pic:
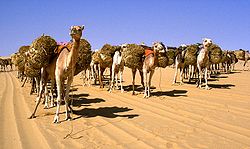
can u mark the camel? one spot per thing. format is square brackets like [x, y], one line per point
[61, 67]
[242, 55]
[203, 61]
[149, 64]
[117, 67]
[179, 63]
[65, 68]
[124, 48]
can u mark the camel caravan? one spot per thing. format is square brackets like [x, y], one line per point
[50, 66]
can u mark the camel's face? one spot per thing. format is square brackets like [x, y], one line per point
[124, 47]
[159, 47]
[207, 42]
[76, 32]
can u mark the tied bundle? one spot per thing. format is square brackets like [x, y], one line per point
[190, 57]
[171, 53]
[104, 56]
[20, 58]
[215, 54]
[225, 57]
[240, 54]
[162, 59]
[41, 51]
[84, 56]
[133, 56]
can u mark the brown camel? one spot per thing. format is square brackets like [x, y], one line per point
[61, 67]
[149, 65]
[65, 68]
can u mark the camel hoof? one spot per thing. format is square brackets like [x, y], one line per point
[68, 118]
[56, 119]
[122, 90]
[208, 88]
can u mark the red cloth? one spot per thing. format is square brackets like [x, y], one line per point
[148, 52]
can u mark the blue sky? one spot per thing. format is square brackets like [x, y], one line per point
[173, 22]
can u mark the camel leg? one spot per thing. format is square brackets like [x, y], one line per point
[145, 83]
[42, 86]
[200, 76]
[46, 105]
[69, 81]
[206, 87]
[59, 96]
[52, 103]
[116, 80]
[149, 82]
[176, 72]
[112, 80]
[121, 79]
[181, 75]
[141, 74]
[133, 80]
[244, 65]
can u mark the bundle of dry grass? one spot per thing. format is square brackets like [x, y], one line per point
[162, 60]
[41, 51]
[20, 58]
[171, 53]
[190, 57]
[240, 54]
[132, 56]
[84, 56]
[104, 56]
[29, 71]
[215, 54]
[225, 58]
[108, 50]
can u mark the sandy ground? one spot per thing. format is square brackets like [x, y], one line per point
[174, 117]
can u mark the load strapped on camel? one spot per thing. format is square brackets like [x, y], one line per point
[84, 56]
[133, 56]
[171, 54]
[20, 58]
[215, 54]
[190, 56]
[40, 54]
[240, 54]
[162, 60]
[104, 56]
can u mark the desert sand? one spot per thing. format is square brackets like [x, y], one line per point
[176, 116]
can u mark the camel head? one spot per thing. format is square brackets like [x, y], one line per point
[207, 42]
[159, 47]
[76, 32]
[124, 47]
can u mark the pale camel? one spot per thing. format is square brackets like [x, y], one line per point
[117, 67]
[203, 61]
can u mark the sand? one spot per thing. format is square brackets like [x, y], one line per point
[174, 117]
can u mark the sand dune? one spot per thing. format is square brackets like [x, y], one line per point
[174, 117]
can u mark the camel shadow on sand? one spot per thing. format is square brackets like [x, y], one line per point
[173, 93]
[221, 86]
[86, 102]
[138, 88]
[108, 112]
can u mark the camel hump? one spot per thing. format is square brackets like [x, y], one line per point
[61, 45]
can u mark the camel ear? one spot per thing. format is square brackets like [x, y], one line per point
[82, 27]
